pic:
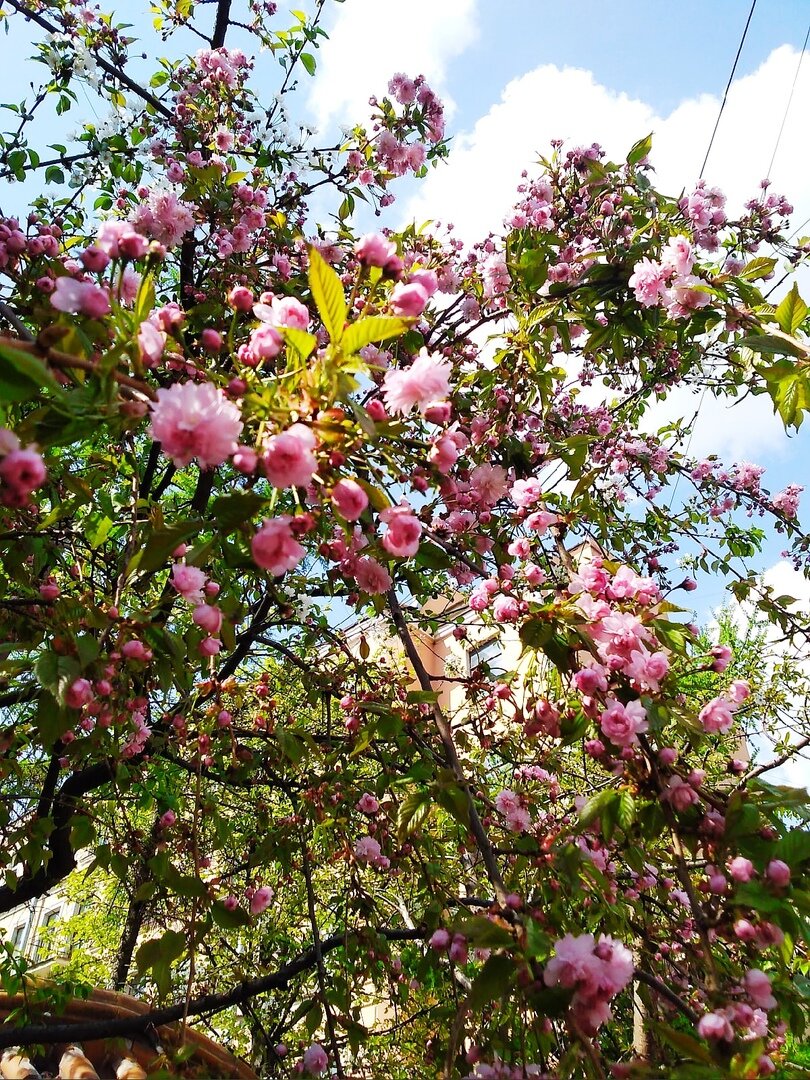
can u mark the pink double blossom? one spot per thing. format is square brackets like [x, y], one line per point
[403, 530]
[622, 724]
[195, 420]
[275, 548]
[80, 297]
[371, 576]
[426, 381]
[288, 458]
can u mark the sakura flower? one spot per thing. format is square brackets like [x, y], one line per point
[288, 459]
[275, 548]
[195, 420]
[425, 381]
[403, 531]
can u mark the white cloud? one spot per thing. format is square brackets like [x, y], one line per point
[784, 580]
[477, 187]
[369, 41]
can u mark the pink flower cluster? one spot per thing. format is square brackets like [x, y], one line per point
[425, 383]
[596, 970]
[195, 420]
[275, 547]
[367, 850]
[517, 816]
[164, 216]
[670, 282]
[21, 470]
[718, 715]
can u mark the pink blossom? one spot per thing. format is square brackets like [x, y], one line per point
[189, 582]
[23, 471]
[167, 819]
[686, 294]
[210, 646]
[716, 716]
[374, 250]
[74, 296]
[715, 1025]
[427, 380]
[261, 899]
[404, 529]
[591, 680]
[208, 617]
[118, 239]
[426, 279]
[526, 492]
[165, 217]
[440, 940]
[409, 300]
[758, 987]
[787, 501]
[680, 794]
[741, 869]
[195, 420]
[151, 343]
[371, 576]
[778, 873]
[136, 650]
[647, 669]
[623, 723]
[540, 520]
[78, 693]
[648, 282]
[288, 459]
[367, 804]
[443, 454]
[315, 1060]
[367, 850]
[284, 311]
[275, 548]
[349, 499]
[489, 483]
[677, 255]
[506, 609]
[722, 657]
[738, 691]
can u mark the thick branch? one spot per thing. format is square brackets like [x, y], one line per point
[207, 1004]
[453, 762]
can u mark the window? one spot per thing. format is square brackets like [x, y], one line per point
[488, 654]
[46, 951]
[18, 934]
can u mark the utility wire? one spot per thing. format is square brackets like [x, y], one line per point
[789, 102]
[728, 87]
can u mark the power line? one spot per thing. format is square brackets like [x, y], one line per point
[789, 101]
[728, 87]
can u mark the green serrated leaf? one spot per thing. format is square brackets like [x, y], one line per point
[374, 328]
[640, 150]
[791, 312]
[327, 292]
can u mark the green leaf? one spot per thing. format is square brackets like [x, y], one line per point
[309, 62]
[157, 956]
[757, 268]
[791, 312]
[161, 544]
[685, 1044]
[492, 981]
[640, 150]
[229, 918]
[596, 806]
[374, 328]
[327, 292]
[627, 810]
[301, 341]
[483, 933]
[793, 848]
[231, 511]
[22, 375]
[412, 812]
[773, 345]
[55, 673]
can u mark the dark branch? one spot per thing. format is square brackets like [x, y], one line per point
[207, 1004]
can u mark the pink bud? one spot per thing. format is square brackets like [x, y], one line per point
[440, 940]
[78, 693]
[240, 298]
[778, 873]
[208, 617]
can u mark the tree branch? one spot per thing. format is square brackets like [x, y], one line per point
[207, 1004]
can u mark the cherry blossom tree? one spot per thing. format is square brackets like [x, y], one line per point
[237, 444]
